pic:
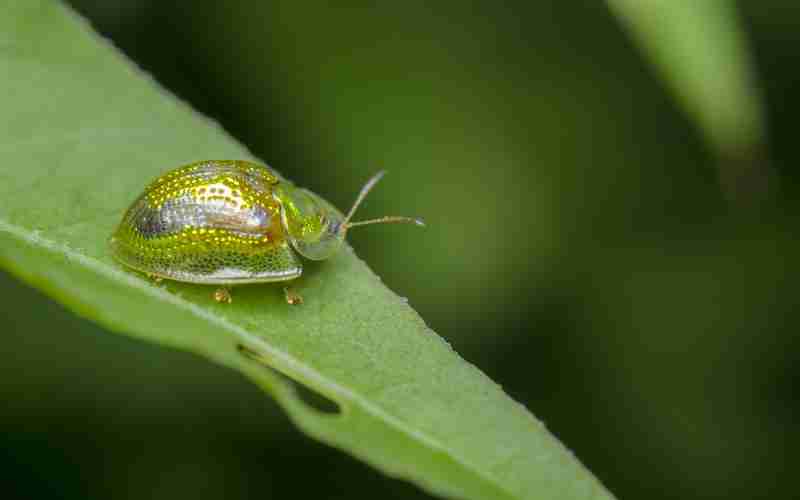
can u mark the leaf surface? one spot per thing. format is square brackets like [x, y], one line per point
[84, 131]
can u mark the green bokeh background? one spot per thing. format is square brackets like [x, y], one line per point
[580, 250]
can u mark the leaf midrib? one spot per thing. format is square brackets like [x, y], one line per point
[290, 365]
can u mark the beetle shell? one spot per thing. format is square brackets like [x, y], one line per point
[214, 222]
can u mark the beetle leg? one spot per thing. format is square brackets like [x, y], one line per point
[156, 278]
[223, 295]
[292, 297]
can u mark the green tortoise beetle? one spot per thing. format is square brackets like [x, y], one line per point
[230, 222]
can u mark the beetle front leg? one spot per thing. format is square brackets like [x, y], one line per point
[223, 295]
[292, 297]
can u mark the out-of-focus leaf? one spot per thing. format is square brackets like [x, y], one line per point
[700, 49]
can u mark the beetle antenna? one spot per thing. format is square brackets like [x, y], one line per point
[388, 219]
[363, 194]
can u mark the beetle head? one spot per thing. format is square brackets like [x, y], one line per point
[316, 228]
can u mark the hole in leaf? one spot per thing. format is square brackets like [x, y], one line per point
[314, 399]
[307, 395]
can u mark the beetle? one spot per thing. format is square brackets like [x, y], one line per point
[231, 222]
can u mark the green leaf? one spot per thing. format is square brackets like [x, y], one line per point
[84, 131]
[700, 49]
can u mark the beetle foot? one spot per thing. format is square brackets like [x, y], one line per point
[223, 295]
[292, 297]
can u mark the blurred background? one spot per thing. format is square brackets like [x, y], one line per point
[627, 280]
